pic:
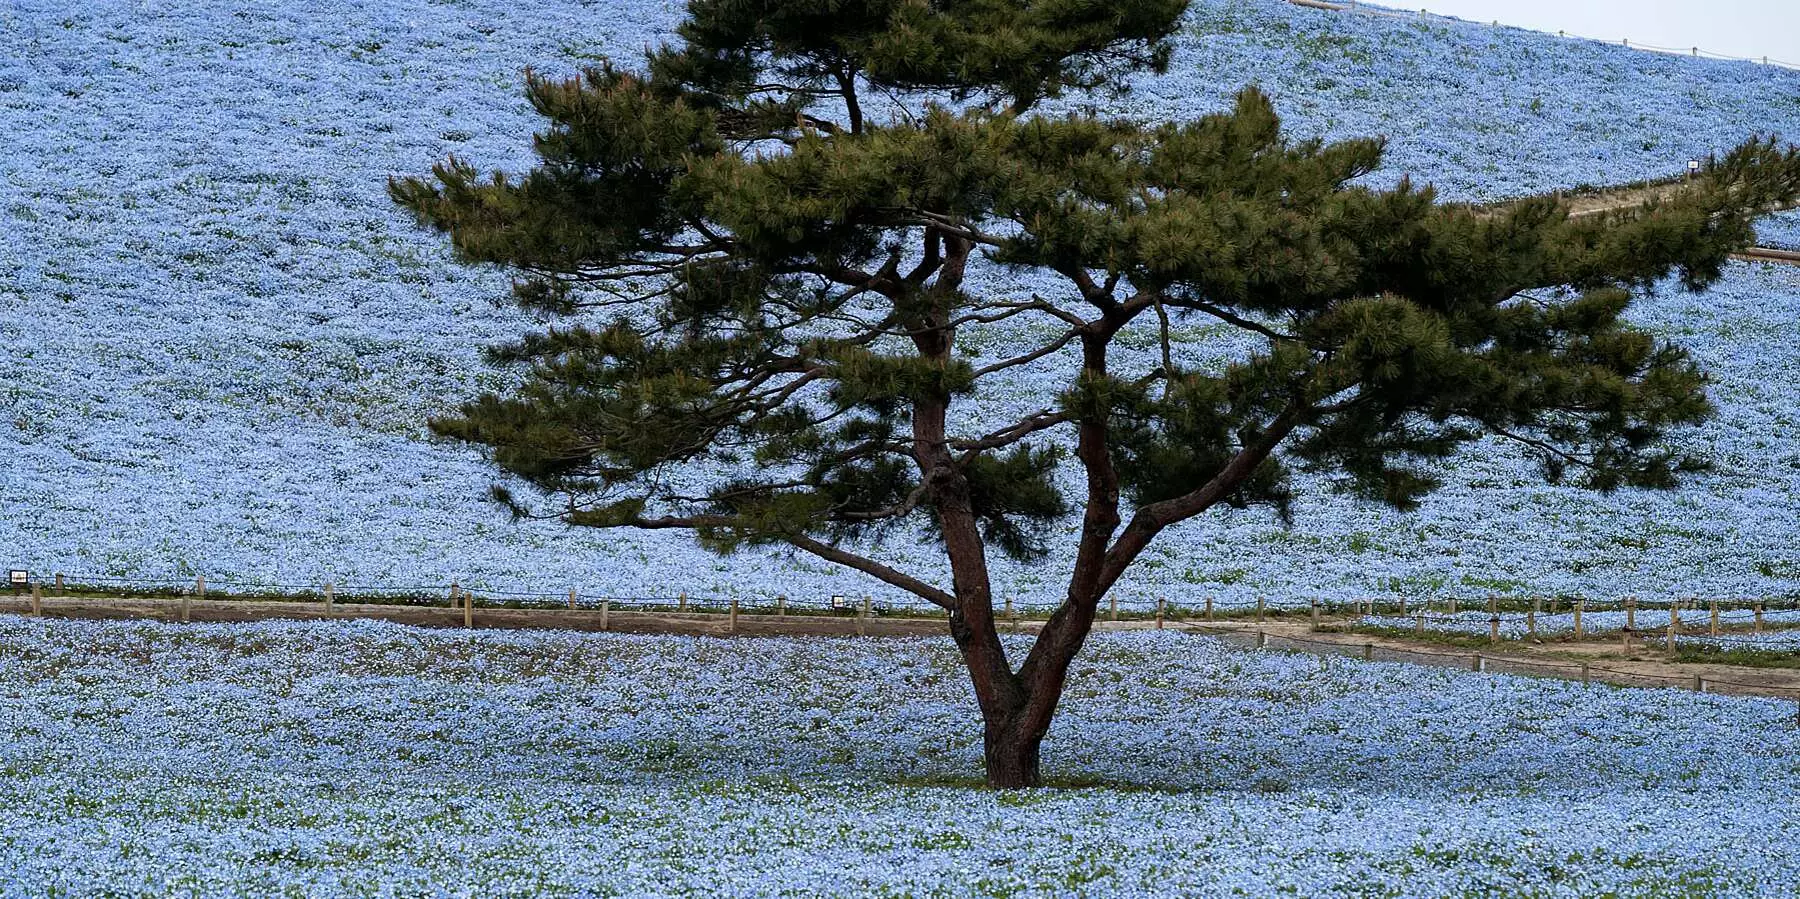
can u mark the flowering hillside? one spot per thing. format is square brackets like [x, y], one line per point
[223, 340]
[329, 759]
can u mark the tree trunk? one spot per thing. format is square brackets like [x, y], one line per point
[1016, 709]
[1011, 749]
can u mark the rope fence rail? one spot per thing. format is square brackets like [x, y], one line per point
[1547, 614]
[177, 599]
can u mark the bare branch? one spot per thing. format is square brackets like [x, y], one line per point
[1011, 434]
[1033, 356]
[898, 510]
[1541, 445]
[874, 569]
[1228, 317]
[945, 224]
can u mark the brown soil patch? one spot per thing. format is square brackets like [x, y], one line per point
[1607, 659]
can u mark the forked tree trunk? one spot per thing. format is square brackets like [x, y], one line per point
[1016, 709]
[1012, 750]
[1009, 746]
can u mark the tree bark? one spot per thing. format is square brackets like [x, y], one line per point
[1011, 747]
[1011, 751]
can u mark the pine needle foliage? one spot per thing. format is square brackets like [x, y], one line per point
[753, 272]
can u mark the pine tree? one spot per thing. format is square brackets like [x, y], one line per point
[757, 272]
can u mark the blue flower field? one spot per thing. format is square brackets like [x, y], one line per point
[223, 341]
[327, 759]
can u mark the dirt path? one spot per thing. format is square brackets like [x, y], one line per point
[712, 622]
[1603, 201]
[1605, 660]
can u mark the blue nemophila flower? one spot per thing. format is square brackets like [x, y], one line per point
[363, 758]
[224, 340]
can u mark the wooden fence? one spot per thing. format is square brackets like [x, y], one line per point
[454, 605]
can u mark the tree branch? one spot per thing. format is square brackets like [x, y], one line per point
[1540, 445]
[874, 569]
[1033, 356]
[1011, 434]
[1227, 317]
[1150, 520]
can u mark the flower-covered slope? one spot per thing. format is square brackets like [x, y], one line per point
[356, 759]
[222, 340]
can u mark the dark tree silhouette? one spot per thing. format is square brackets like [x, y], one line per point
[762, 274]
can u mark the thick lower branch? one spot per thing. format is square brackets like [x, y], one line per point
[1046, 667]
[876, 570]
[1152, 519]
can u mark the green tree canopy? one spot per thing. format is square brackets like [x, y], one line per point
[757, 274]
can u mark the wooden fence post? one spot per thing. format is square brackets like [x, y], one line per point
[1671, 647]
[1675, 613]
[1494, 629]
[1368, 652]
[59, 584]
[1715, 618]
[1759, 617]
[185, 596]
[1699, 684]
[1259, 609]
[1584, 672]
[1315, 614]
[1160, 603]
[1209, 615]
[1262, 640]
[328, 598]
[1477, 664]
[1419, 624]
[468, 609]
[605, 613]
[453, 595]
[1402, 605]
[37, 599]
[862, 620]
[1625, 641]
[731, 624]
[571, 598]
[1008, 614]
[1114, 599]
[681, 603]
[1631, 613]
[781, 606]
[1537, 603]
[1493, 604]
[1578, 604]
[1453, 604]
[200, 587]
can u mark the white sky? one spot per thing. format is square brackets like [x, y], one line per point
[1752, 28]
